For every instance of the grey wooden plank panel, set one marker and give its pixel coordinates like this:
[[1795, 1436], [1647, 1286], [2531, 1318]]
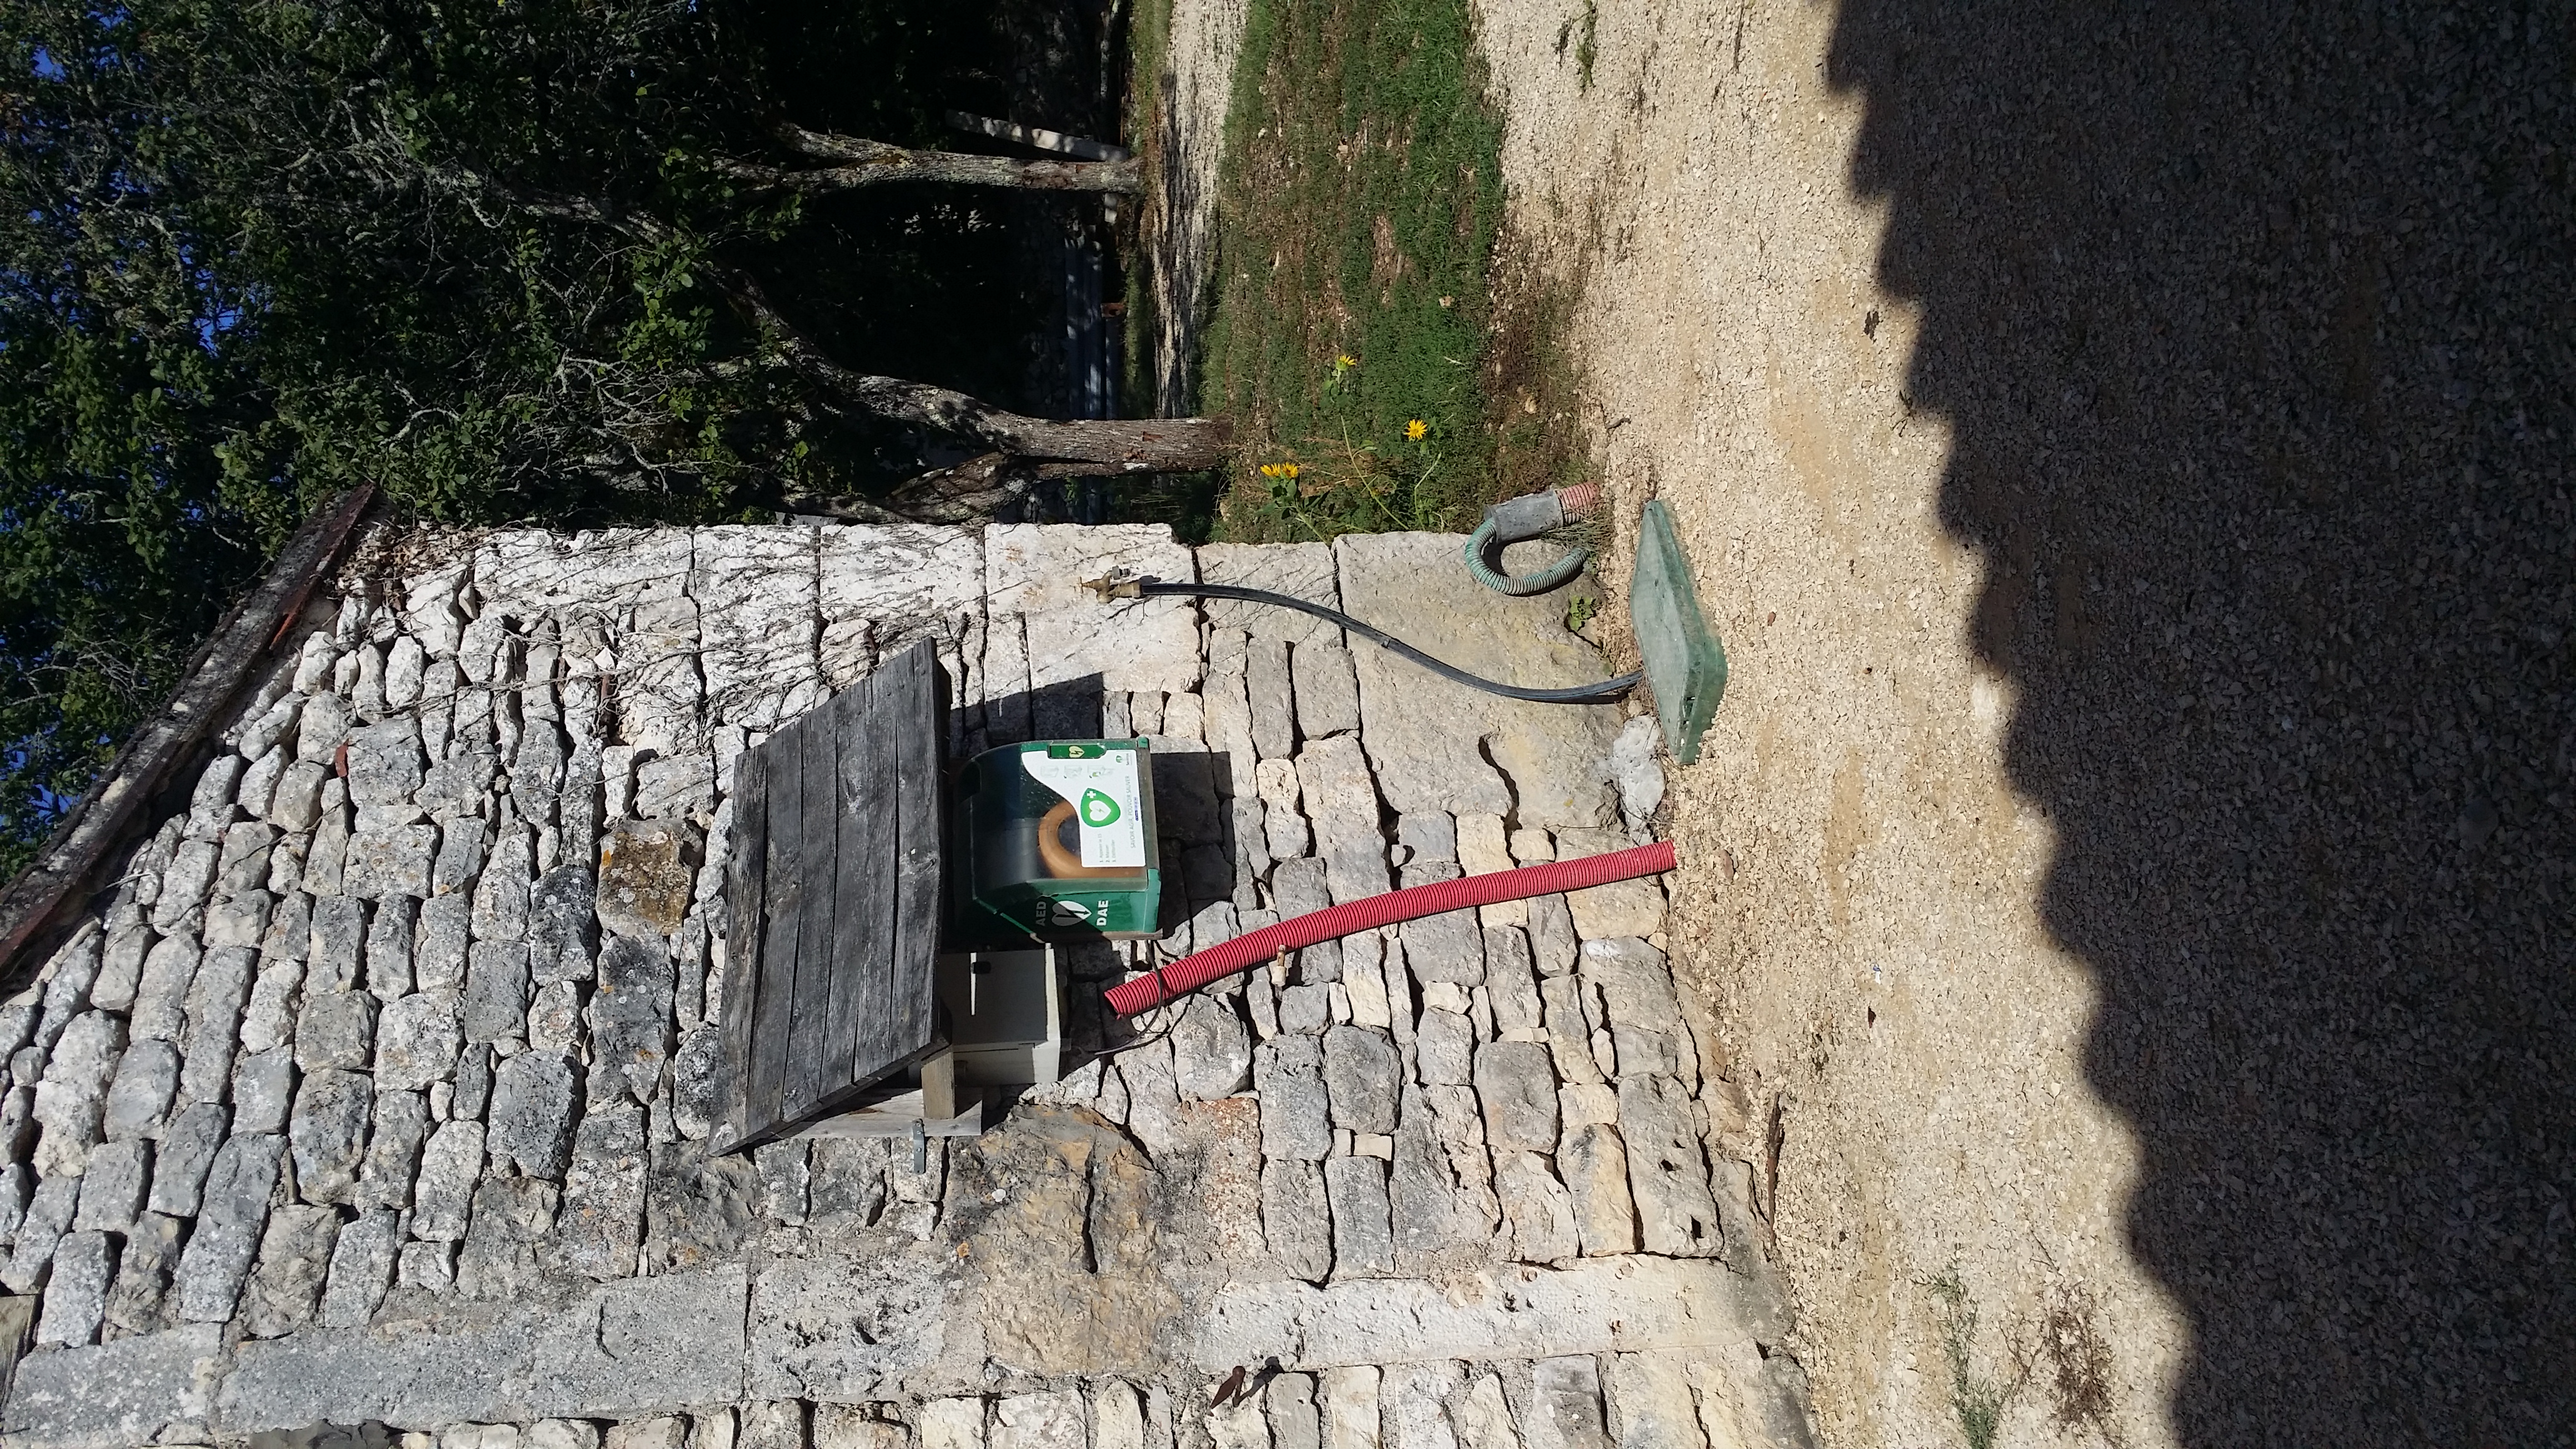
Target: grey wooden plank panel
[[818, 792], [745, 922], [864, 960], [784, 892], [919, 760]]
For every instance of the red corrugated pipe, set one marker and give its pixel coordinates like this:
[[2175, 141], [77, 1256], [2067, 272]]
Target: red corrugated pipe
[[1331, 924]]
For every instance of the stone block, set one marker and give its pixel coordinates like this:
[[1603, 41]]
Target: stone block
[[1621, 908], [776, 1424], [388, 963], [1569, 1029], [1284, 831], [440, 942], [1420, 728], [1038, 1421], [454, 788], [184, 883], [495, 1004], [1635, 988], [231, 1215], [70, 1103], [393, 1149], [1412, 1396], [562, 924], [501, 892], [1595, 1168], [850, 1426], [1296, 1218], [582, 1434], [1351, 1419], [695, 1081], [417, 1039], [1299, 570], [500, 1257], [699, 1210], [1341, 801], [443, 1197], [138, 1101], [1117, 1416], [1516, 1086], [1328, 690], [328, 1132], [630, 1018], [275, 1001], [646, 874], [1510, 985], [759, 622], [1305, 1010], [429, 1267], [337, 949], [384, 763], [1449, 947], [49, 1215], [263, 1090], [668, 1431], [113, 1189], [76, 1295], [187, 1150], [241, 918], [295, 804], [1667, 1172], [1355, 1190], [1288, 1075], [294, 1260], [602, 1222], [1538, 1213], [161, 998], [335, 1029], [139, 1300], [1267, 686], [393, 861], [1651, 1401], [1443, 1048], [473, 1091], [361, 1268], [1211, 1051], [951, 1424], [215, 1002], [1361, 1075], [1035, 571], [1581, 1102], [121, 967], [554, 1017], [534, 1099], [1565, 1405], [1240, 1425]]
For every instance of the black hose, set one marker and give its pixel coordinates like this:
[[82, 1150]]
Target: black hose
[[1602, 693]]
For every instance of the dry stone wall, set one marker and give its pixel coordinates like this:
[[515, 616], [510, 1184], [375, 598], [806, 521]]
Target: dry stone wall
[[379, 1091]]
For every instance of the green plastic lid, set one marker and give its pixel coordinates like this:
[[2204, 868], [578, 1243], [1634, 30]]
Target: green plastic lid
[[1684, 661]]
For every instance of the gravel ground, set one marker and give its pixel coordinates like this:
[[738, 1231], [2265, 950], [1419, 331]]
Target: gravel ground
[[2124, 450]]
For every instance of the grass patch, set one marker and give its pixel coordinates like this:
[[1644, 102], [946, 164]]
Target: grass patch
[[1979, 1401], [1359, 206]]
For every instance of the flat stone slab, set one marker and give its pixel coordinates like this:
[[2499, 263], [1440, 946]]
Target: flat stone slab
[[1422, 730]]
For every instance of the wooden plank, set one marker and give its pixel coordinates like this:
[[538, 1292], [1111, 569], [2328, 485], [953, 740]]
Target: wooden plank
[[864, 960], [60, 879], [920, 759], [1039, 137], [810, 1047], [745, 922], [784, 893]]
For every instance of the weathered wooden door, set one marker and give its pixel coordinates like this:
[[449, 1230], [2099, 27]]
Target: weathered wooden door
[[833, 903]]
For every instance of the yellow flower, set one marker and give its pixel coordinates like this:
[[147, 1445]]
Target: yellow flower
[[1346, 360], [1414, 430], [1269, 470], [1288, 470]]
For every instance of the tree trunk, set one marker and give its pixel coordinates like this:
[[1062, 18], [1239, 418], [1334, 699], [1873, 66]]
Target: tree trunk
[[1127, 445], [871, 163], [1123, 445]]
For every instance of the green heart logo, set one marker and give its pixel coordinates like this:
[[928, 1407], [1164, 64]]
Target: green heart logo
[[1098, 809]]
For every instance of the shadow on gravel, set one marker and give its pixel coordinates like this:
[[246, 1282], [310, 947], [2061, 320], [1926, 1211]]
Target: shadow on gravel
[[2257, 329]]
